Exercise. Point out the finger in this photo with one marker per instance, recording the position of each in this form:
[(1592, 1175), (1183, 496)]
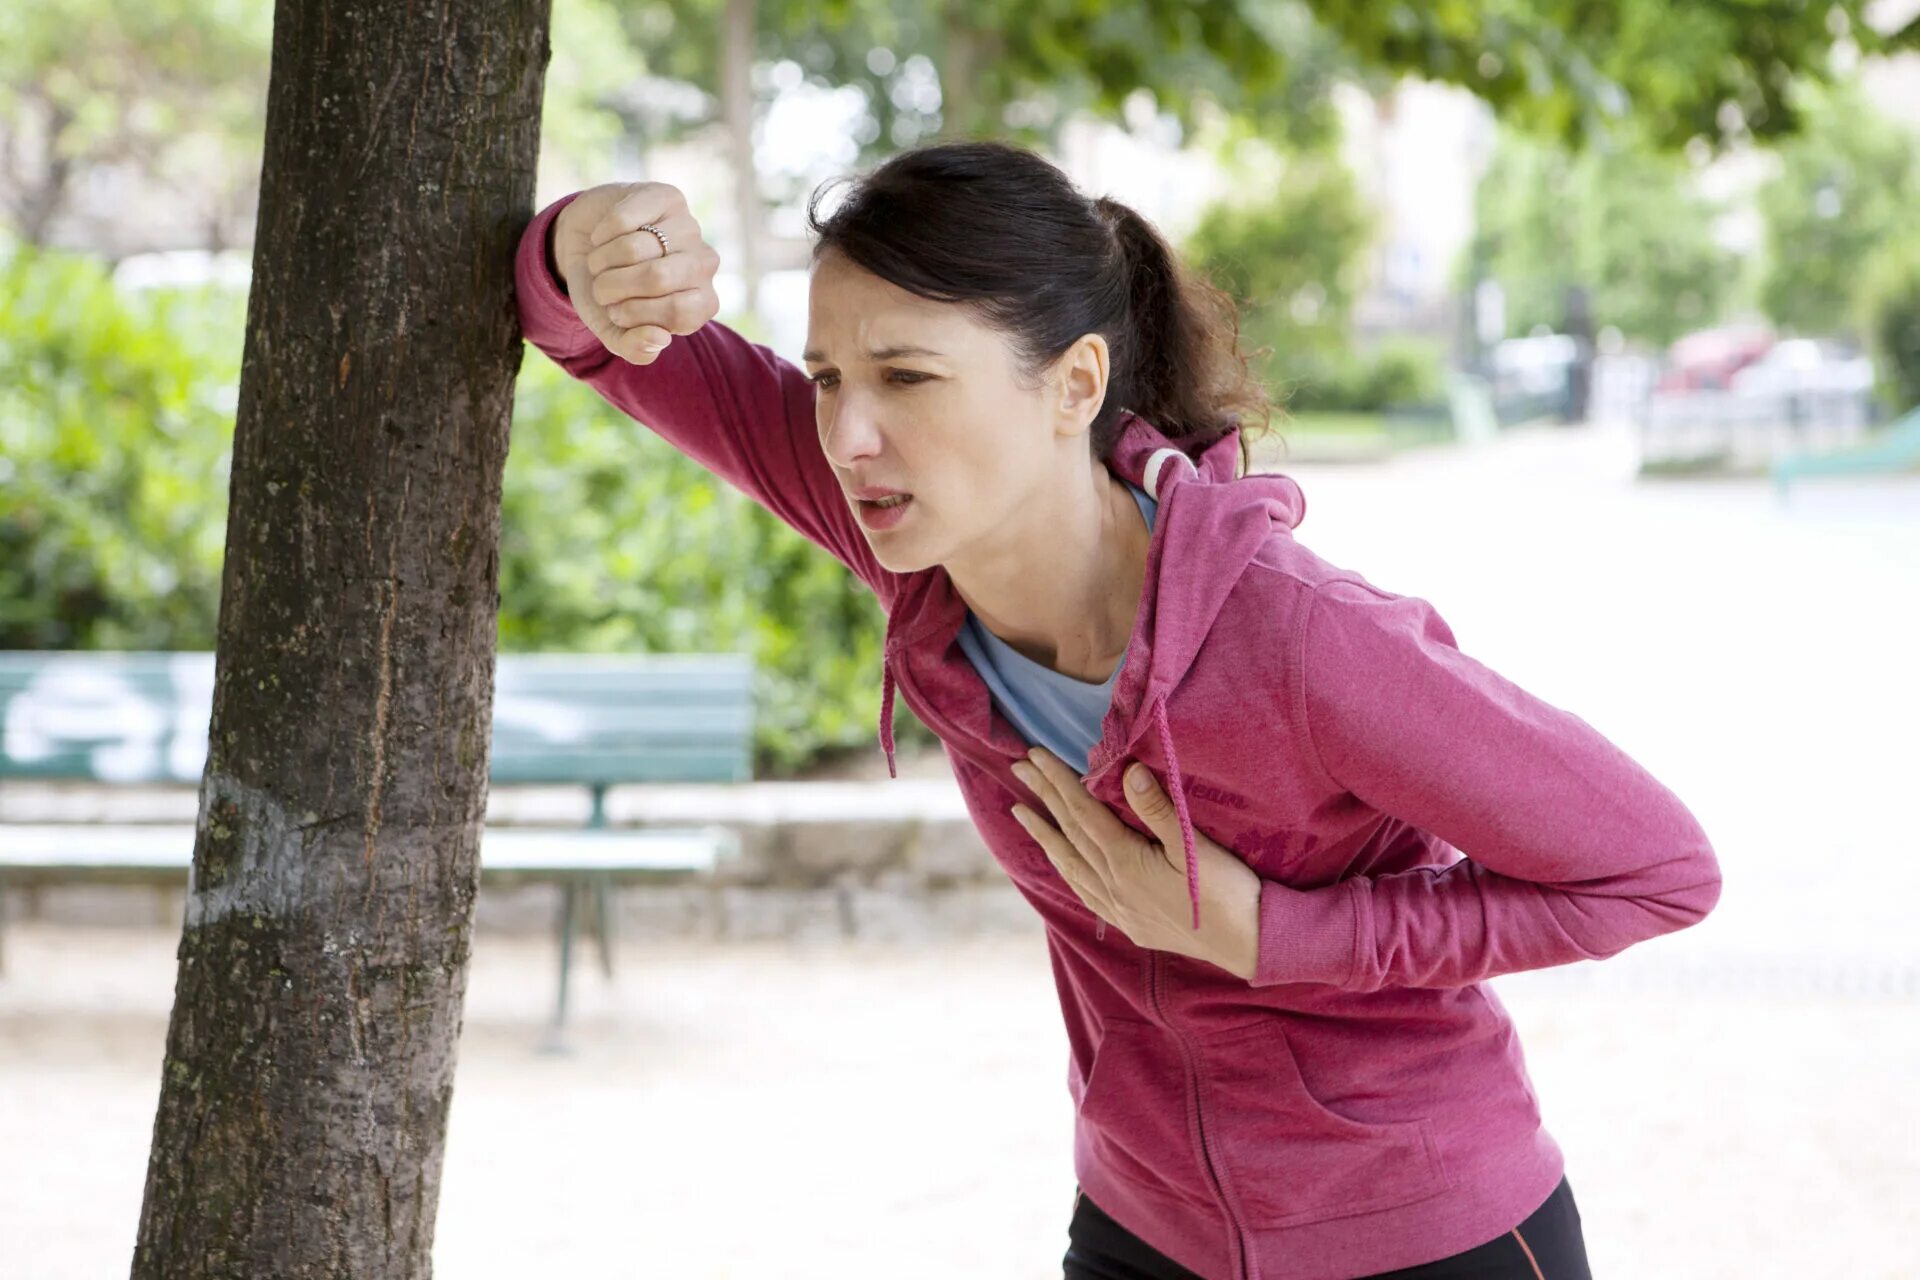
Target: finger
[(1150, 801), (1089, 815), (681, 312), (641, 345), (1066, 860), (638, 345), (634, 245), (1046, 788), (645, 202), (655, 277)]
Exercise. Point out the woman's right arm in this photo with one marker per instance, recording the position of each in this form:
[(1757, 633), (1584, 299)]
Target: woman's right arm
[(733, 406)]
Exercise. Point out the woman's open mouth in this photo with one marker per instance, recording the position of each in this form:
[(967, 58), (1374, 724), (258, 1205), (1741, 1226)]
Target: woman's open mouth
[(884, 513)]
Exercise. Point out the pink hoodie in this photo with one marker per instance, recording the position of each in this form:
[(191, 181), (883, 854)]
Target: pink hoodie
[(1363, 1104)]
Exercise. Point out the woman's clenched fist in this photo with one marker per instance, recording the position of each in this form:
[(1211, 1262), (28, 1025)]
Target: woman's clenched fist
[(630, 293)]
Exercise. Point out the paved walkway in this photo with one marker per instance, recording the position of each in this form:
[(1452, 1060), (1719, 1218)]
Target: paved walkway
[(825, 1112)]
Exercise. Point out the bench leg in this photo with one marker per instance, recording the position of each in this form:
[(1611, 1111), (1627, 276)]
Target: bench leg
[(603, 924), (555, 1041)]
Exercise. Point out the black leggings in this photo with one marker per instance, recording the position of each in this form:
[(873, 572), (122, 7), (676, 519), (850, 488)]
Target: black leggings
[(1547, 1246)]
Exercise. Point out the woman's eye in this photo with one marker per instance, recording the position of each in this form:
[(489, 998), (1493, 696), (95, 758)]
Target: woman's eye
[(898, 377)]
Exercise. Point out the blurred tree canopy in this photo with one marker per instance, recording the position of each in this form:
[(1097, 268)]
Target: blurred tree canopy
[(173, 93), (1890, 318), (1848, 183), (1622, 221), (1564, 69), (1573, 70), (1292, 262)]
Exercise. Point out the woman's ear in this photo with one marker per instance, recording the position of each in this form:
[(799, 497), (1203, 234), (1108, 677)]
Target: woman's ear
[(1081, 376)]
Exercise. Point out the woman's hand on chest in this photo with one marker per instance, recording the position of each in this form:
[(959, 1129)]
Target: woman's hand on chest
[(1138, 884)]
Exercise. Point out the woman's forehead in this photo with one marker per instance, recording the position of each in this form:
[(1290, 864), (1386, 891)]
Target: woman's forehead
[(876, 319)]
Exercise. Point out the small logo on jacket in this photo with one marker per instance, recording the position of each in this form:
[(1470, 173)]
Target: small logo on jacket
[(1217, 795)]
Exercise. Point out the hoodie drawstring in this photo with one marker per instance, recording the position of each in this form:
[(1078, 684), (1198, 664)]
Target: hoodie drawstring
[(886, 713), (1177, 788)]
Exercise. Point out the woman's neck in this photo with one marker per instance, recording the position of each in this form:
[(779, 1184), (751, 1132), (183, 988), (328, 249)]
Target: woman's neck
[(1067, 595)]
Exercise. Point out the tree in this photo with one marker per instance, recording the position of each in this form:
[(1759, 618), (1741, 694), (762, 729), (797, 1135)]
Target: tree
[(1621, 222), (161, 90), (1847, 184), (1890, 317), (1574, 70), (1291, 252), (323, 963), (167, 95)]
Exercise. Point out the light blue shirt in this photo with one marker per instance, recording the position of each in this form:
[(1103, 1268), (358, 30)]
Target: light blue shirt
[(1050, 709)]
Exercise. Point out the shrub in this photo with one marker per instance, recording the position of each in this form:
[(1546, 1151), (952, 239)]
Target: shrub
[(1891, 320)]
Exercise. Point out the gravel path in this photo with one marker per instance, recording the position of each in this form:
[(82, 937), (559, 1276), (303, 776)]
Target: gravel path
[(911, 1102)]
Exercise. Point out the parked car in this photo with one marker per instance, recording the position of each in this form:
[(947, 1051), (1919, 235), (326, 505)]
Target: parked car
[(1708, 359), (1806, 365)]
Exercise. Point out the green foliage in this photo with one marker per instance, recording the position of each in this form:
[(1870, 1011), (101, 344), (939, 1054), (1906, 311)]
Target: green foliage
[(1573, 71), (1017, 69), (1399, 372), (173, 90), (612, 541), (116, 420), (1622, 221), (116, 425), (1890, 317), (1564, 70), (1846, 185), (1292, 263)]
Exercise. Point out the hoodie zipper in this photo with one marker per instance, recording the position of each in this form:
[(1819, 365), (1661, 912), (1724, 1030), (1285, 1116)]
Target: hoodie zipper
[(1155, 971)]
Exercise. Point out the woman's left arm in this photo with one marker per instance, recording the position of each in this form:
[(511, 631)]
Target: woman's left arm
[(1572, 850)]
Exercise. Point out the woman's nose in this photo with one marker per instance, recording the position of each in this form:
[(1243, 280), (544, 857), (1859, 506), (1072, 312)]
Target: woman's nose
[(851, 433)]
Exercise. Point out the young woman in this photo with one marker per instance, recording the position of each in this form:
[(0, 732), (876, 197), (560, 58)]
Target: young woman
[(1020, 424)]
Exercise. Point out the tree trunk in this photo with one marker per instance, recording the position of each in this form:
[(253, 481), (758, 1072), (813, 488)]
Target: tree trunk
[(322, 968), (736, 106)]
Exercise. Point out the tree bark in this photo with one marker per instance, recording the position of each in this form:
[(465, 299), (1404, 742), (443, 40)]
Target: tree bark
[(323, 964)]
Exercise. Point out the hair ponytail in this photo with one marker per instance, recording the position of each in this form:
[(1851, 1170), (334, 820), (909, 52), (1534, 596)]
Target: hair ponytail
[(1184, 371), (1003, 230)]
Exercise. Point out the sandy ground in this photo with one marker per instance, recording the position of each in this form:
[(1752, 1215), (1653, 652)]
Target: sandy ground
[(833, 1111), (1737, 1100)]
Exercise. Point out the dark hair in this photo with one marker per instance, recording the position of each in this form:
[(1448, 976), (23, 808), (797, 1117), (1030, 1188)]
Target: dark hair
[(1003, 231)]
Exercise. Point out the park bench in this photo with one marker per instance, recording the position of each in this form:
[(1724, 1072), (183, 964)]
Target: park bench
[(1892, 448), (594, 721)]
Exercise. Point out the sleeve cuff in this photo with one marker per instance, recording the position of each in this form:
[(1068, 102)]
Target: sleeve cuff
[(547, 317), (1307, 935)]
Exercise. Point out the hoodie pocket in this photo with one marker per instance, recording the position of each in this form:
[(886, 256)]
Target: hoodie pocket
[(1291, 1158), (1133, 1111)]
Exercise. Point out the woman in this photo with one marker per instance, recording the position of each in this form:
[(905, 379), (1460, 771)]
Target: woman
[(1019, 425)]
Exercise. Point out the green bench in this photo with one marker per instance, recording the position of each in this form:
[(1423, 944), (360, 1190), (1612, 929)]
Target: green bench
[(585, 720), (1890, 449)]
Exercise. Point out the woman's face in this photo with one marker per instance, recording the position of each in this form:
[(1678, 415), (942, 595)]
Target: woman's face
[(921, 398)]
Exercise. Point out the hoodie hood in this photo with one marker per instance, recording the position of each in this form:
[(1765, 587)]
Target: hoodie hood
[(1208, 527)]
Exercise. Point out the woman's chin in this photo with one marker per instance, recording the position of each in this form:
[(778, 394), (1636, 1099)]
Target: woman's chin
[(898, 555)]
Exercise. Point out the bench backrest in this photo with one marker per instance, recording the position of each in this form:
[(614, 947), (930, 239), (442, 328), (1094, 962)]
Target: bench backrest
[(596, 720)]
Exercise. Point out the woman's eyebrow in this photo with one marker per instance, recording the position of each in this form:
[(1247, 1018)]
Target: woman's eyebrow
[(878, 353)]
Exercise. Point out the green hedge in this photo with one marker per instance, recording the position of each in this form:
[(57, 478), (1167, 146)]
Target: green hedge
[(1890, 317), (116, 423)]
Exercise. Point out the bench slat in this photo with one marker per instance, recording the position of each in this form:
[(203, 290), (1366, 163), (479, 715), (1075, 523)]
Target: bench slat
[(167, 850), (131, 717)]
